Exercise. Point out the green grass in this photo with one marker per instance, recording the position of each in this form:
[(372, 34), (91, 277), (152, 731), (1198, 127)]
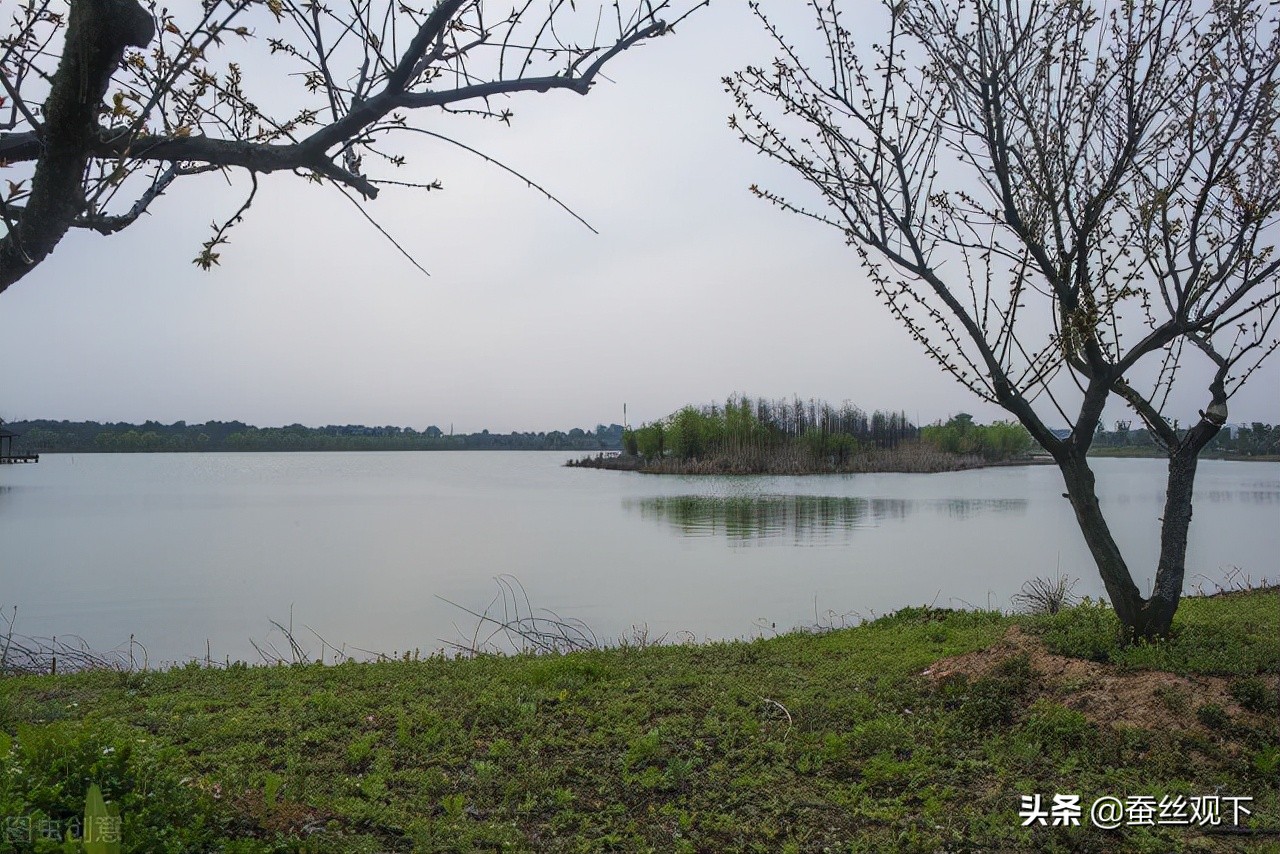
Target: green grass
[(798, 743), (1231, 634)]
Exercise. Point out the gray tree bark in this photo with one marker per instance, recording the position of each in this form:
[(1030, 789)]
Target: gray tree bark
[(98, 32), (1143, 618)]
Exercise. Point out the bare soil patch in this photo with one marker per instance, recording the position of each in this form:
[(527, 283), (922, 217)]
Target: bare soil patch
[(1104, 693)]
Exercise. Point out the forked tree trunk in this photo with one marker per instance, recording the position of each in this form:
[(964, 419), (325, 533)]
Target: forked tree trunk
[(1142, 618)]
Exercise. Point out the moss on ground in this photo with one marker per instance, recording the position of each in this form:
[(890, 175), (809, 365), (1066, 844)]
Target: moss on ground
[(917, 732)]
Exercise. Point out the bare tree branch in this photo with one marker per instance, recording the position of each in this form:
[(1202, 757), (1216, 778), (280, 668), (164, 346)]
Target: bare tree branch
[(100, 155)]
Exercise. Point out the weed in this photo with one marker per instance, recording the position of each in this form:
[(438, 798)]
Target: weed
[(1266, 761), (1175, 699), (1212, 716), (359, 751), (454, 806), (993, 699), (642, 750), (1046, 595), (1058, 730), (1255, 695)]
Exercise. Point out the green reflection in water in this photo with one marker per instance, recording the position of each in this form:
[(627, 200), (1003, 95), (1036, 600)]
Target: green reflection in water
[(803, 519)]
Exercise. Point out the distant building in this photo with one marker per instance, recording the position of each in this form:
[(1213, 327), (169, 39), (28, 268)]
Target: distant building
[(6, 448)]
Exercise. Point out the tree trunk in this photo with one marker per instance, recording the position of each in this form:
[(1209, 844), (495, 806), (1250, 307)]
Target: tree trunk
[(1156, 617), (1143, 619), (1124, 595)]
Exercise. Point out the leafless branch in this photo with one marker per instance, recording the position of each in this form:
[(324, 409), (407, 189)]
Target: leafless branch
[(154, 96)]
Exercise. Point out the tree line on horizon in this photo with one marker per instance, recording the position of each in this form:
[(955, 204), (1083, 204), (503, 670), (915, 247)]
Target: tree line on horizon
[(1255, 439), (45, 436)]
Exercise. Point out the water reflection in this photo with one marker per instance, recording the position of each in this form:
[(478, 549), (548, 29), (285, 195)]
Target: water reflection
[(1244, 496), (801, 519)]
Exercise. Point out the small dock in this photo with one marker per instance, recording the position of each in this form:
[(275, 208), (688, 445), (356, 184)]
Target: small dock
[(7, 456), (19, 458)]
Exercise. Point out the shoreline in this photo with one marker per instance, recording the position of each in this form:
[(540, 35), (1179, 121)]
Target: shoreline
[(1122, 453), (874, 463), (624, 462)]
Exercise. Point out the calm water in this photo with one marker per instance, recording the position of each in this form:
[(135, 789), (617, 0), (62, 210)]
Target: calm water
[(180, 549)]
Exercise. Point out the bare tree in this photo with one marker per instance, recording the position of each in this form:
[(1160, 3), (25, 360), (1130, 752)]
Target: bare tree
[(1061, 204), (105, 106)]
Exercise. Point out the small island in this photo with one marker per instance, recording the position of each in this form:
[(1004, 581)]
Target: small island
[(781, 437)]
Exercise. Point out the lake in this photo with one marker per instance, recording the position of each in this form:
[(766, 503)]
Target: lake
[(190, 552)]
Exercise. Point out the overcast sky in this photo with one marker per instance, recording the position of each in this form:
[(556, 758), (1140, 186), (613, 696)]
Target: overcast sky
[(693, 289)]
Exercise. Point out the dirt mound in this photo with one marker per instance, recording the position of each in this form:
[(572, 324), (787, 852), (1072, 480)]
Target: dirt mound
[(1103, 693)]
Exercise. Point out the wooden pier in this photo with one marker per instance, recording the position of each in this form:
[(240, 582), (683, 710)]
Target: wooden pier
[(7, 456), (19, 458)]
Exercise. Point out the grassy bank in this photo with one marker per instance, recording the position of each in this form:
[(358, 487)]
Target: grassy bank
[(917, 732)]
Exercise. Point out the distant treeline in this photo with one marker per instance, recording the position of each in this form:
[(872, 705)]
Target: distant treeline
[(39, 437), (993, 442), (795, 436), (1234, 440), (748, 428)]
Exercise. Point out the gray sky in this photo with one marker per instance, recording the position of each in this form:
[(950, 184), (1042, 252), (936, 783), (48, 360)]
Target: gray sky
[(693, 290)]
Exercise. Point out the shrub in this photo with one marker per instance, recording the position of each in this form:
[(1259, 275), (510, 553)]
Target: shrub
[(1045, 595)]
